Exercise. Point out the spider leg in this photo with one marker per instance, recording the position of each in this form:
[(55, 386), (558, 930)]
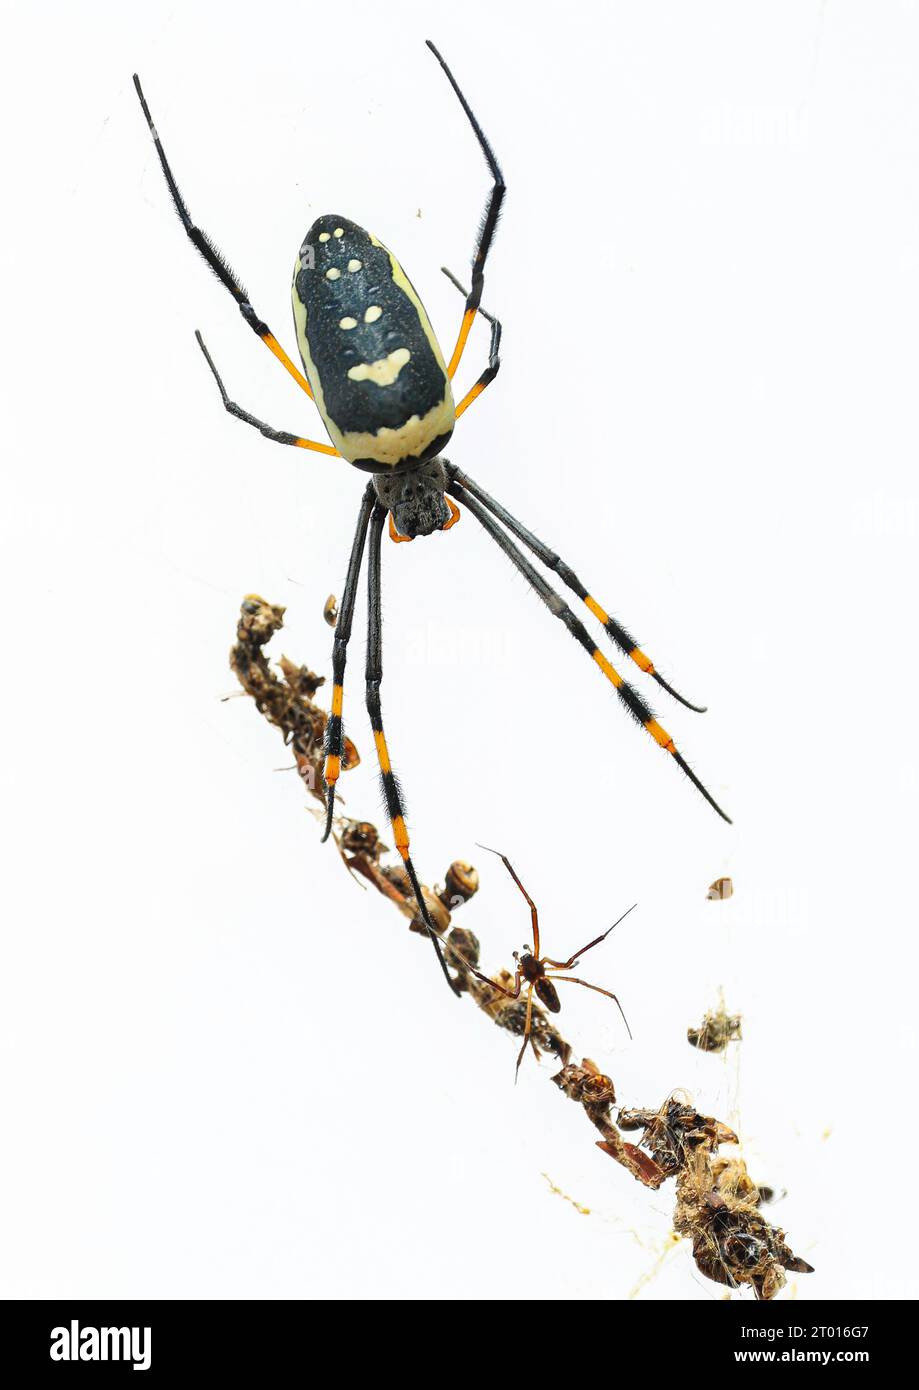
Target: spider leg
[(486, 227), (334, 733), (526, 1033), (631, 699), (534, 915), (570, 979), (279, 436), (511, 993), (569, 964), (615, 630), (374, 675), (215, 260), (494, 360)]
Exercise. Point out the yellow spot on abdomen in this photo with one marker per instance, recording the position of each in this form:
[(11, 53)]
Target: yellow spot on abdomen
[(347, 322), (382, 372), (390, 446), (373, 313)]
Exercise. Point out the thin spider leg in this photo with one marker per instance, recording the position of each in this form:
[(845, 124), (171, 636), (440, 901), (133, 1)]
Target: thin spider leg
[(511, 993), (486, 227), (279, 436), (374, 674), (526, 1032), (334, 733), (568, 964), (616, 631), (570, 979), (631, 699), (534, 915), (494, 360), (215, 259)]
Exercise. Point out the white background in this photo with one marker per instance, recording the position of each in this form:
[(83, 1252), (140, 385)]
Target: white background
[(228, 1071)]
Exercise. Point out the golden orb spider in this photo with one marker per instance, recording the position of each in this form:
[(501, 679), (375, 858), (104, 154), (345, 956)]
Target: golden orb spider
[(375, 370)]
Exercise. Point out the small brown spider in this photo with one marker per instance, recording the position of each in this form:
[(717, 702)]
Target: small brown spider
[(531, 967)]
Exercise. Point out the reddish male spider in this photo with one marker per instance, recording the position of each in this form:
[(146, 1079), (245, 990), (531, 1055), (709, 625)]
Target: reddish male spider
[(531, 967)]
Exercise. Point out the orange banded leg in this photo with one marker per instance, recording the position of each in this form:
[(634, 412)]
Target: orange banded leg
[(494, 359), (215, 260), (628, 695), (465, 330), (615, 630), (272, 344), (374, 674), (279, 436), (334, 731), (487, 226)]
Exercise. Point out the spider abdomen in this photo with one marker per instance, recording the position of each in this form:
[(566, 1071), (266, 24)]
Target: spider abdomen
[(548, 994), (369, 352)]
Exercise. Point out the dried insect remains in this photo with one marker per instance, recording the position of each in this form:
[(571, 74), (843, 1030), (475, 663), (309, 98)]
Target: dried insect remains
[(717, 1204)]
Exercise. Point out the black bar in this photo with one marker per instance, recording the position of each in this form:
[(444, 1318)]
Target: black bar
[(691, 1343)]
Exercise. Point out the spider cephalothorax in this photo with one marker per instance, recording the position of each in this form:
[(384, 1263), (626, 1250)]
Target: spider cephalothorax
[(533, 972), (416, 501)]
